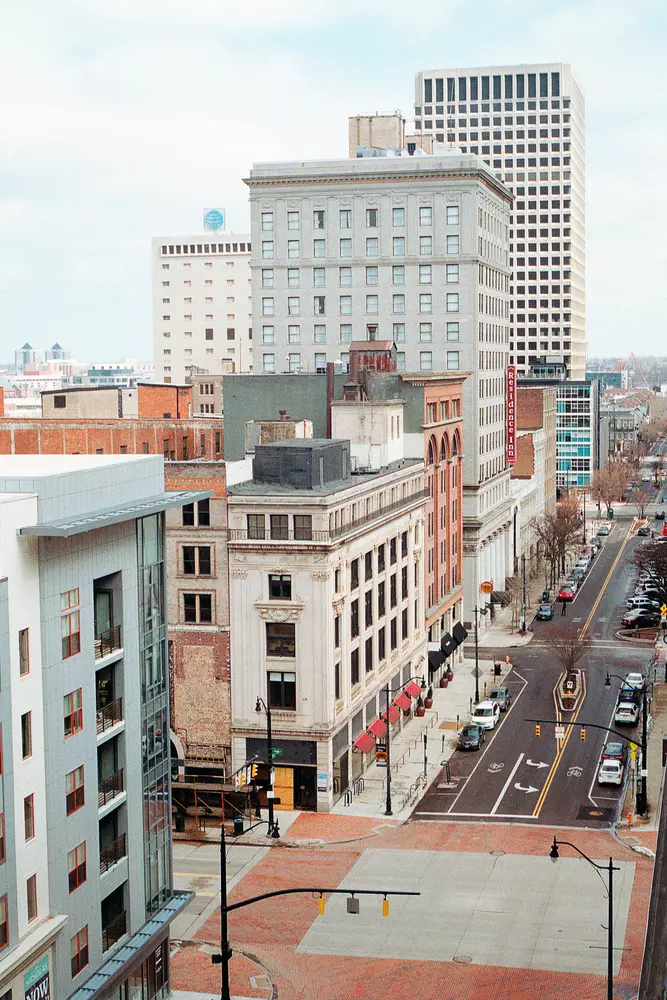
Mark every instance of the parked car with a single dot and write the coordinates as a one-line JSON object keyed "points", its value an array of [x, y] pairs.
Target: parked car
{"points": [[486, 715], [471, 737], [660, 515], [567, 592], [652, 593], [596, 543], [644, 531], [641, 601], [603, 529], [615, 751], [610, 773], [627, 713], [583, 563], [640, 619], [545, 612], [578, 575], [501, 697], [635, 680]]}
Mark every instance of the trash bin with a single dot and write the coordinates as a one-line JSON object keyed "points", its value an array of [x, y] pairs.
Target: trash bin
{"points": [[238, 826], [180, 822]]}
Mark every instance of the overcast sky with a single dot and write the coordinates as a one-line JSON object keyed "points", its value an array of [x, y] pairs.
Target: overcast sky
{"points": [[122, 119]]}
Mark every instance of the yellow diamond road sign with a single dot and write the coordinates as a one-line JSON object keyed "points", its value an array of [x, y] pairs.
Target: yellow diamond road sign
{"points": [[663, 609]]}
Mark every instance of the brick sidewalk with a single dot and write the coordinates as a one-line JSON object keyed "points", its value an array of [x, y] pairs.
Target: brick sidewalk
{"points": [[269, 932]]}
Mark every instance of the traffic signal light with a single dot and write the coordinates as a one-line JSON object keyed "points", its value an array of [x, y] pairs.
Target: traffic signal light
{"points": [[582, 734], [385, 907], [538, 729], [321, 903], [254, 771]]}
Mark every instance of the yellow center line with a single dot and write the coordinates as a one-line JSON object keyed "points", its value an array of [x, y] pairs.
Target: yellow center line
{"points": [[588, 621]]}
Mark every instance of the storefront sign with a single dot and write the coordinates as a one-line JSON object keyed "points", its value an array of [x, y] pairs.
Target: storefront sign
{"points": [[292, 752], [36, 981], [322, 781], [510, 405]]}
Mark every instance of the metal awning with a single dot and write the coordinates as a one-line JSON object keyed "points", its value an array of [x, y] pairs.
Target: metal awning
{"points": [[364, 743], [378, 728], [115, 515], [394, 714], [402, 701], [413, 689]]}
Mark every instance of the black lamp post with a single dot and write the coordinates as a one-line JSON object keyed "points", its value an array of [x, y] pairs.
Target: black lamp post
{"points": [[584, 517], [388, 694], [642, 798], [477, 611], [273, 830], [610, 869]]}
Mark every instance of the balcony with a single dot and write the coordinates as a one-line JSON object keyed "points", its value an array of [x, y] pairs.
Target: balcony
{"points": [[109, 788], [109, 715], [108, 642], [114, 931], [111, 855], [242, 535]]}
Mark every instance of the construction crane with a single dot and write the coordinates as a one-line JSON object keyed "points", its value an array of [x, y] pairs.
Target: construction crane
{"points": [[622, 366]]}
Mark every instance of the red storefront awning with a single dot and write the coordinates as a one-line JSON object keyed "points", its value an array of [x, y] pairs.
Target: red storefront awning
{"points": [[394, 714], [378, 728], [365, 742], [402, 701], [413, 689]]}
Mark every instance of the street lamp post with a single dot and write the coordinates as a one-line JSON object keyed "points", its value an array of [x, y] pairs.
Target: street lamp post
{"points": [[387, 809], [273, 829], [641, 798], [477, 611], [584, 517], [610, 869]]}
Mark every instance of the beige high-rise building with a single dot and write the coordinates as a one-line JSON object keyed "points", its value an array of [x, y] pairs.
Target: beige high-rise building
{"points": [[527, 123]]}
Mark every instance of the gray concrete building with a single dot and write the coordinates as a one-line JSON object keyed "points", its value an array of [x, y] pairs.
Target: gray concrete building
{"points": [[86, 795]]}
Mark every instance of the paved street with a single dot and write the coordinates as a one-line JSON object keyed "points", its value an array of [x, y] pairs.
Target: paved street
{"points": [[520, 777]]}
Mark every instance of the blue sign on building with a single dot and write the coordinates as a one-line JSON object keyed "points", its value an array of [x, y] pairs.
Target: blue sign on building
{"points": [[214, 219]]}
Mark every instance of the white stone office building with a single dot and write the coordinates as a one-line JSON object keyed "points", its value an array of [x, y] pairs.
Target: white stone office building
{"points": [[86, 891], [326, 605], [527, 124], [413, 249], [202, 320]]}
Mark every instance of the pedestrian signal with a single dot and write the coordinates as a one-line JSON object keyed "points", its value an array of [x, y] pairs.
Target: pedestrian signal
{"points": [[538, 729], [582, 734]]}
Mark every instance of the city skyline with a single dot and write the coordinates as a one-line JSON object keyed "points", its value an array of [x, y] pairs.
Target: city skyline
{"points": [[107, 145]]}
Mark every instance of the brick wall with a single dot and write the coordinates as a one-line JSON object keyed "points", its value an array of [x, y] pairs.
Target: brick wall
{"points": [[157, 400], [201, 709], [524, 467], [529, 408]]}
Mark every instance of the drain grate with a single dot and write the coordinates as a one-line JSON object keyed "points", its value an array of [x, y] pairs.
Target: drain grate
{"points": [[599, 815], [462, 959]]}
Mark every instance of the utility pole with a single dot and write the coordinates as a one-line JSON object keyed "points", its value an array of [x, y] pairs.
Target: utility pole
{"points": [[523, 592]]}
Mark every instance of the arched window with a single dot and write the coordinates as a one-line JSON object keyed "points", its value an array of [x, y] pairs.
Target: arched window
{"points": [[456, 445], [432, 451], [444, 448]]}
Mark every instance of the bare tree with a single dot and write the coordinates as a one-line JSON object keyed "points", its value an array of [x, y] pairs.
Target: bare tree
{"points": [[568, 645], [605, 484], [641, 501], [651, 558], [515, 590], [557, 532]]}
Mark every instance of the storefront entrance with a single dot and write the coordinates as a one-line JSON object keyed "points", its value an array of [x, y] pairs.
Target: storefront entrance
{"points": [[305, 794]]}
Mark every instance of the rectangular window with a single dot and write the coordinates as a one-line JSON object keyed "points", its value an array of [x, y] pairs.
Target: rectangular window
{"points": [[398, 274], [425, 215], [26, 735], [354, 619], [268, 364], [425, 245], [424, 274], [198, 609], [79, 951], [337, 632], [268, 335], [398, 246], [74, 790], [345, 247], [453, 244], [404, 623], [354, 574], [345, 218], [381, 558], [398, 217], [354, 667], [344, 276], [393, 634], [345, 305], [293, 305], [452, 273], [426, 361], [372, 275], [267, 249], [69, 623], [303, 527], [197, 560], [452, 331], [319, 277], [426, 331], [452, 215], [267, 277], [319, 333], [452, 361], [392, 552], [393, 596], [452, 302], [31, 896], [337, 681], [368, 566], [282, 690], [372, 305], [319, 248], [73, 712], [425, 302], [292, 277], [292, 221], [368, 655], [293, 334], [382, 651], [371, 218], [29, 817], [76, 866], [372, 245], [318, 220], [256, 528], [4, 923], [399, 333], [381, 599], [279, 526], [24, 652], [368, 608], [281, 640], [345, 332], [319, 303], [267, 222], [293, 249], [280, 587], [268, 306]]}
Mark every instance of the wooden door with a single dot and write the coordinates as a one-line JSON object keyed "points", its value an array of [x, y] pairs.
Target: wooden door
{"points": [[284, 787]]}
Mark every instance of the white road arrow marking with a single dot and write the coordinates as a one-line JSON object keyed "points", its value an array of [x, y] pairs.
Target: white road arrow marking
{"points": [[506, 785], [532, 763], [520, 788]]}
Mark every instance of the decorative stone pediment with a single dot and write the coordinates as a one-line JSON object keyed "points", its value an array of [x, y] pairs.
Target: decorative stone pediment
{"points": [[273, 611], [321, 574], [239, 574]]}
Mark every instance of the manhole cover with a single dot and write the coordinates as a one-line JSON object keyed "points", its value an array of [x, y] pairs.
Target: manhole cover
{"points": [[462, 959], [600, 815], [594, 812], [497, 854]]}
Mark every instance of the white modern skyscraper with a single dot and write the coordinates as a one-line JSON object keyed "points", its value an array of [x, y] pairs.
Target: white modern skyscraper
{"points": [[412, 250], [201, 305], [527, 123]]}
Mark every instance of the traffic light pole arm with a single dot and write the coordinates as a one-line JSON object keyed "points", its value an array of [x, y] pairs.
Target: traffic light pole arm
{"points": [[590, 725], [346, 892]]}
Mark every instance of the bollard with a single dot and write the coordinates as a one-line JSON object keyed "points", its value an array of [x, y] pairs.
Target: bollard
{"points": [[629, 819], [457, 722]]}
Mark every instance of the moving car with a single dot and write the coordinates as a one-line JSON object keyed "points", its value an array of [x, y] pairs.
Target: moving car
{"points": [[603, 529], [501, 697], [644, 531], [471, 737], [545, 612], [640, 619], [627, 713], [635, 680], [567, 592], [610, 773], [615, 751], [486, 715]]}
